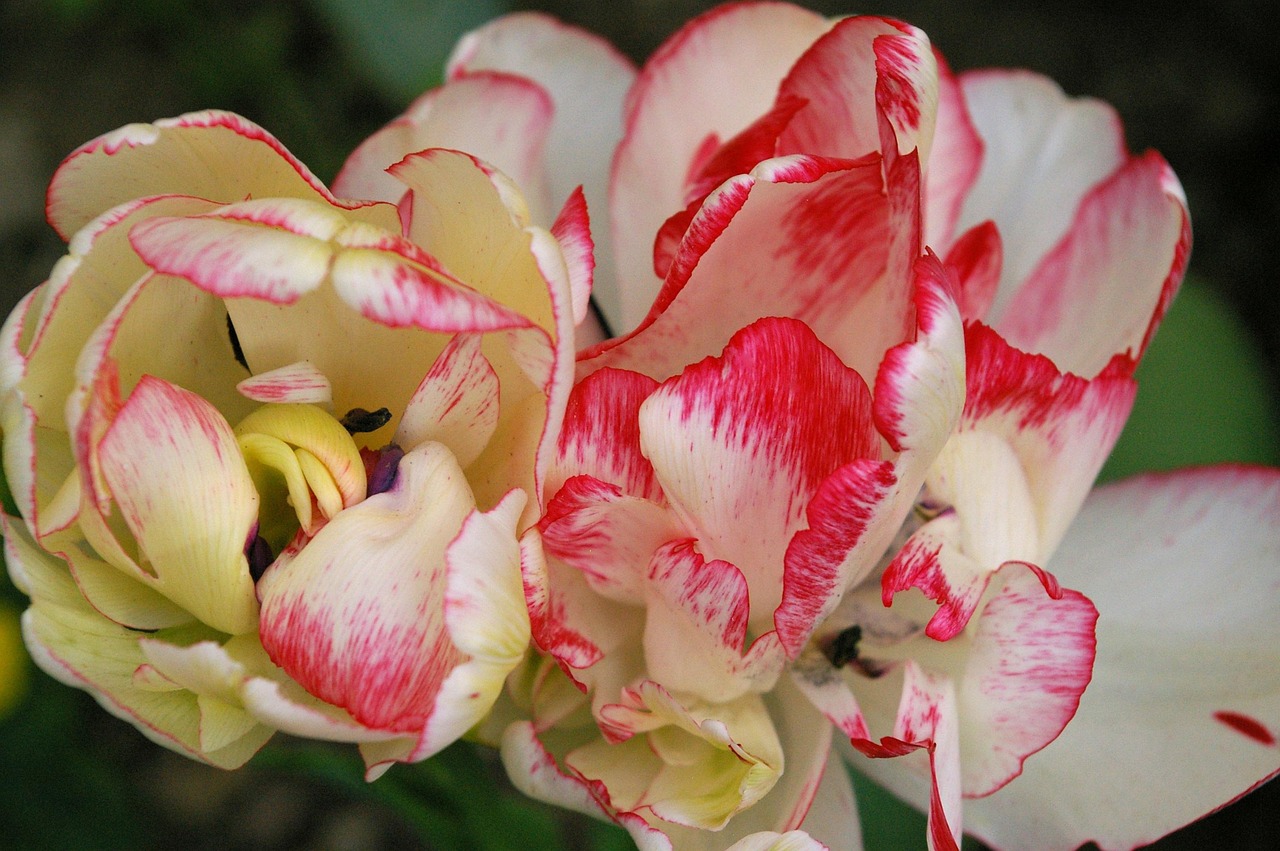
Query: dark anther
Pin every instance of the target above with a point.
(382, 475)
(235, 343)
(260, 556)
(359, 421)
(843, 649)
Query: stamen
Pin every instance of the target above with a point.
(384, 468)
(236, 349)
(843, 648)
(258, 551)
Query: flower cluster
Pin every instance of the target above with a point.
(325, 460)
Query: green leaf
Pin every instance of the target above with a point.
(1204, 395)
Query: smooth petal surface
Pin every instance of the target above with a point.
(1103, 289)
(456, 404)
(1177, 563)
(953, 164)
(1042, 152)
(707, 82)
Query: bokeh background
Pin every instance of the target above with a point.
(1198, 80)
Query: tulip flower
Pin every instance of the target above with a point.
(941, 590)
(273, 450)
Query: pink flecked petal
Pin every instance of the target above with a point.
(975, 259)
(695, 635)
(500, 118)
(214, 155)
(740, 443)
(297, 382)
(456, 404)
(1104, 288)
(1186, 671)
(572, 230)
(358, 615)
(606, 534)
(863, 71)
(711, 79)
(601, 434)
(829, 228)
(174, 470)
(933, 561)
(1058, 425)
(1042, 151)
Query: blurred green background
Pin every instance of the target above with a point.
(1199, 81)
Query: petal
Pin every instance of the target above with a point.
(741, 443)
(710, 80)
(572, 230)
(358, 615)
(844, 243)
(587, 79)
(1060, 426)
(1103, 289)
(456, 404)
(863, 71)
(953, 163)
(174, 470)
(1185, 679)
(601, 434)
(696, 628)
(502, 119)
(1042, 152)
(792, 840)
(297, 383)
(214, 155)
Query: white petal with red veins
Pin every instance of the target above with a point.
(456, 404)
(298, 382)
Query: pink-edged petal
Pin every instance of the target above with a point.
(456, 404)
(934, 562)
(695, 634)
(358, 615)
(79, 647)
(587, 79)
(572, 230)
(708, 81)
(173, 469)
(829, 228)
(214, 155)
(1059, 426)
(1042, 152)
(864, 71)
(297, 383)
(601, 434)
(1031, 657)
(953, 164)
(1185, 681)
(740, 443)
(608, 535)
(502, 119)
(1104, 288)
(926, 740)
(534, 771)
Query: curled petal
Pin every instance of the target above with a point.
(298, 383)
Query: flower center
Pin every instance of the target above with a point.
(306, 468)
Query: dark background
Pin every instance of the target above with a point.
(1199, 81)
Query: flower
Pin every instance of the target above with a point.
(273, 450)
(853, 478)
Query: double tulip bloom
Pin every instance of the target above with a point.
(287, 460)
